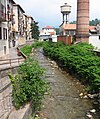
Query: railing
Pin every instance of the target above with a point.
(11, 62)
(2, 12)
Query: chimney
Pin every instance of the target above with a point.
(82, 32)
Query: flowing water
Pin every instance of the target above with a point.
(64, 101)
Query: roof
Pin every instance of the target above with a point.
(48, 27)
(92, 27)
(52, 33)
(70, 26)
(73, 27)
(19, 7)
(30, 17)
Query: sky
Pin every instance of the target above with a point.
(47, 12)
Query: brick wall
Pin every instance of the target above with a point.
(67, 40)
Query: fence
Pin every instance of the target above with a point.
(10, 62)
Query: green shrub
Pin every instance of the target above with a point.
(28, 84)
(26, 50)
(79, 59)
(37, 44)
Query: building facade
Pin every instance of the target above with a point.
(47, 32)
(29, 21)
(6, 11)
(70, 30)
(18, 25)
(15, 26)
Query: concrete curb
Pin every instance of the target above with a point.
(22, 113)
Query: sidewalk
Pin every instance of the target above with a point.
(13, 53)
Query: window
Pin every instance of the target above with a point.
(0, 33)
(99, 37)
(3, 13)
(4, 33)
(71, 32)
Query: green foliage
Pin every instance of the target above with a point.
(37, 44)
(79, 59)
(91, 23)
(28, 84)
(94, 22)
(57, 31)
(26, 50)
(73, 22)
(35, 30)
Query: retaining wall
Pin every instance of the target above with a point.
(5, 91)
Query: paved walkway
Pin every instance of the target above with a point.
(13, 53)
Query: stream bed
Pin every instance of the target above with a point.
(64, 100)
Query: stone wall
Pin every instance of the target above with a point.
(5, 92)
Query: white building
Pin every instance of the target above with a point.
(15, 27)
(5, 25)
(47, 33)
(94, 38)
(95, 41)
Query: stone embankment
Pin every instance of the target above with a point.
(7, 111)
(5, 92)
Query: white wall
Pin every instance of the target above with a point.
(4, 43)
(54, 38)
(48, 31)
(95, 41)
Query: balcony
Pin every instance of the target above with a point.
(2, 13)
(2, 16)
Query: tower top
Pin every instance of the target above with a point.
(65, 9)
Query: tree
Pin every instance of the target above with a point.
(94, 22)
(73, 22)
(91, 23)
(35, 30)
(57, 31)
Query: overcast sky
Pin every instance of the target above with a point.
(47, 12)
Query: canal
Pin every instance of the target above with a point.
(64, 100)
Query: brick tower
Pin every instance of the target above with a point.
(82, 32)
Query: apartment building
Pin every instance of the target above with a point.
(29, 20)
(5, 25)
(15, 26)
(10, 21)
(19, 24)
(3, 28)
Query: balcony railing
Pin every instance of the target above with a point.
(2, 16)
(2, 13)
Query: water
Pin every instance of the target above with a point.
(64, 101)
